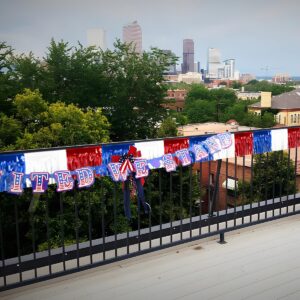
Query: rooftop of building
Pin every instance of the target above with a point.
(289, 100)
(260, 262)
(211, 128)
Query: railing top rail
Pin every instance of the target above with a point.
(136, 141)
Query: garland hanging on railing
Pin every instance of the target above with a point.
(38, 169)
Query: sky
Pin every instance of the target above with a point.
(257, 33)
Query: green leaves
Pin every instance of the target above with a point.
(39, 124)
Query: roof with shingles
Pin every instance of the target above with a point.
(289, 100)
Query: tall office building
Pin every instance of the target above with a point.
(213, 62)
(132, 33)
(229, 68)
(188, 56)
(96, 37)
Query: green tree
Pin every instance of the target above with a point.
(265, 86)
(198, 92)
(200, 111)
(6, 84)
(167, 128)
(39, 124)
(273, 176)
(135, 90)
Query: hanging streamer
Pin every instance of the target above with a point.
(262, 141)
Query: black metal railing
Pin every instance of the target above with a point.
(53, 234)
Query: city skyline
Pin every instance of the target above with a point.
(256, 34)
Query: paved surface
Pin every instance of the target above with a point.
(260, 262)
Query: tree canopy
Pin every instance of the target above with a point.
(127, 86)
(36, 123)
(265, 86)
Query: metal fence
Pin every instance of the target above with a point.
(54, 234)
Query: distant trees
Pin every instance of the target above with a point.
(221, 105)
(203, 105)
(265, 86)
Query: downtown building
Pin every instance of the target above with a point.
(96, 37)
(214, 65)
(229, 69)
(132, 33)
(188, 56)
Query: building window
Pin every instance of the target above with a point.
(292, 119)
(298, 118)
(295, 118)
(279, 119)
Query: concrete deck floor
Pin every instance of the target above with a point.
(259, 262)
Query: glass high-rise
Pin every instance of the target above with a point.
(96, 37)
(132, 33)
(188, 56)
(213, 62)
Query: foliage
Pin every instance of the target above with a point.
(167, 128)
(134, 91)
(178, 85)
(39, 124)
(273, 176)
(128, 86)
(265, 86)
(239, 112)
(235, 85)
(203, 105)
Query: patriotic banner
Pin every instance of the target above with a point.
(79, 166)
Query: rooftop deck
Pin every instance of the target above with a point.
(258, 262)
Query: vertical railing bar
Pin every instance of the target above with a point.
(171, 207)
(280, 185)
(251, 187)
(18, 239)
(115, 220)
(139, 224)
(127, 236)
(76, 228)
(103, 221)
(32, 221)
(288, 179)
(226, 197)
(160, 207)
(2, 252)
(273, 196)
(266, 188)
(48, 234)
(217, 188)
(190, 196)
(260, 194)
(200, 199)
(296, 165)
(209, 191)
(62, 228)
(243, 179)
(180, 187)
(90, 229)
(235, 188)
(150, 211)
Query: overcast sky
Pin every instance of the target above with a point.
(257, 33)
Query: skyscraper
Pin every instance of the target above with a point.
(213, 62)
(188, 56)
(229, 68)
(132, 33)
(96, 37)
